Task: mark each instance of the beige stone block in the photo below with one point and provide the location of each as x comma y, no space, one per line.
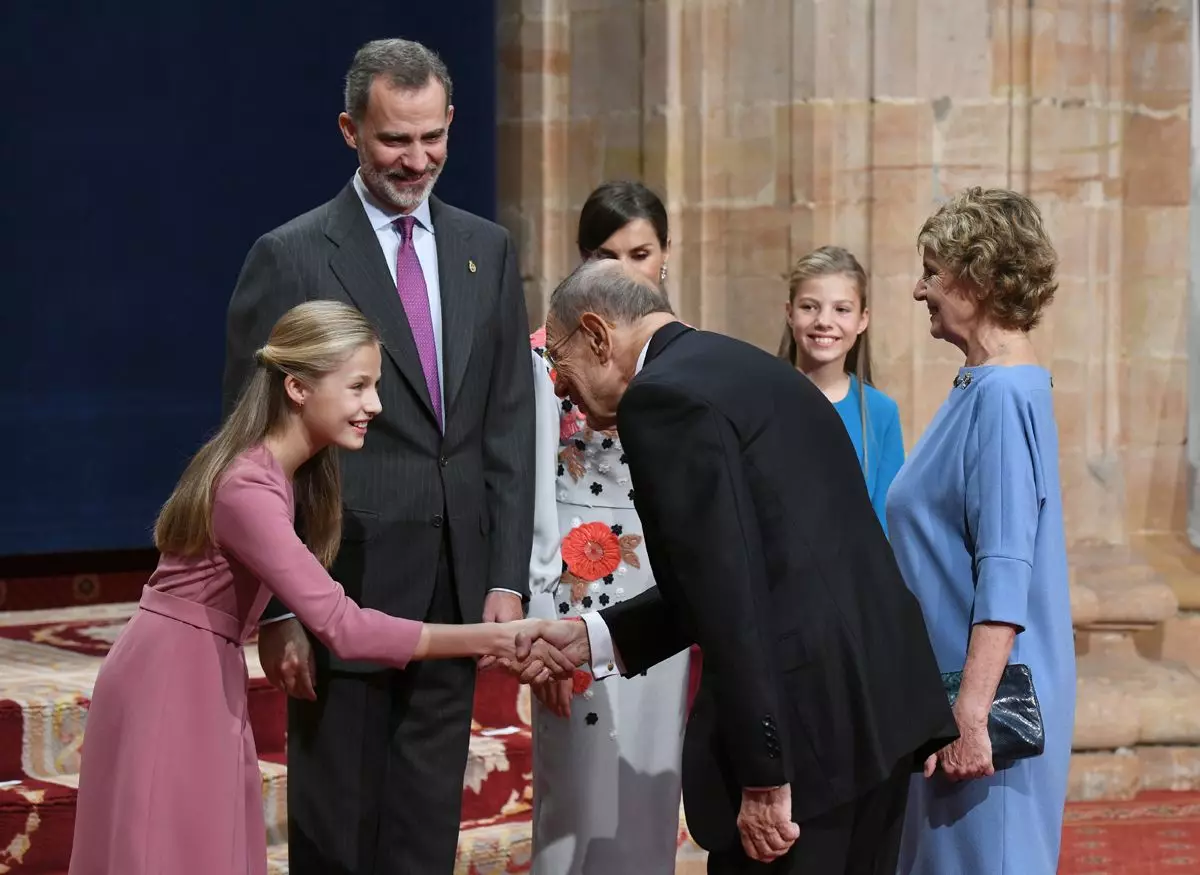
1129,590
1177,561
1093,495
1080,236
752,313
1044,75
751,153
895,226
1159,50
1123,699
1103,775
903,135
1169,768
1155,242
1154,318
759,50
757,245
898,50
971,138
1176,640
1072,336
1085,606
1157,160
1156,489
605,62
1153,402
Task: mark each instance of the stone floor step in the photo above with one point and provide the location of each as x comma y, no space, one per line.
1124,699
1122,774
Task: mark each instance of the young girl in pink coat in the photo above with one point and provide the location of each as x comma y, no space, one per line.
169,783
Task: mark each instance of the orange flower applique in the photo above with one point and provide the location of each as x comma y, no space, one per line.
592,551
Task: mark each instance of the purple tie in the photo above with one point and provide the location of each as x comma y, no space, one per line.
414,295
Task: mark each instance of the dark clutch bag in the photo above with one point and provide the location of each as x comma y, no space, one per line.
1015,721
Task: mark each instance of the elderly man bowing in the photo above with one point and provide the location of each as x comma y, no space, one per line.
820,691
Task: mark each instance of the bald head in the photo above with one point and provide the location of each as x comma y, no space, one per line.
605,287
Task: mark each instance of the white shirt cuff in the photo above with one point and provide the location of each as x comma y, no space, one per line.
509,591
605,659
276,619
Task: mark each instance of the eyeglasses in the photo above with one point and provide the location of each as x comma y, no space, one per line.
551,355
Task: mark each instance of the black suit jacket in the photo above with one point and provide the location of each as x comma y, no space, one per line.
818,669
410,482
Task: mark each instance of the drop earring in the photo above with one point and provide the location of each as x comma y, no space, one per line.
662,273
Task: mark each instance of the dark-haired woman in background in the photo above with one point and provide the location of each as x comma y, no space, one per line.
606,756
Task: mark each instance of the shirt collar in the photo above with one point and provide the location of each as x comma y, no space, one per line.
380,215
641,362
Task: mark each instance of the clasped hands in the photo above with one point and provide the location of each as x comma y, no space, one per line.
543,651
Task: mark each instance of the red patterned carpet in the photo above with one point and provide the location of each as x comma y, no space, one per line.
48,663
1156,833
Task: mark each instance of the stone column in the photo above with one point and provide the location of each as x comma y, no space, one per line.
1193,400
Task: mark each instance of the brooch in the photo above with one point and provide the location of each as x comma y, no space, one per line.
963,380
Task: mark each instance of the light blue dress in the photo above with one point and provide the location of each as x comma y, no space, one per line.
884,444
976,522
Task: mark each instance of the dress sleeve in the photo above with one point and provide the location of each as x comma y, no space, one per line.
1004,498
252,521
891,457
545,561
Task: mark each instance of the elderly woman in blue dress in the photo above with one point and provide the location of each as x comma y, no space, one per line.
975,517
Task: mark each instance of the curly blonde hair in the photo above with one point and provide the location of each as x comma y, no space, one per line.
994,240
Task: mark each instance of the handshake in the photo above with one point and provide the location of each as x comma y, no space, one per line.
541,652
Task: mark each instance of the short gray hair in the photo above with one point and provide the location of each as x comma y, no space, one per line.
407,64
603,287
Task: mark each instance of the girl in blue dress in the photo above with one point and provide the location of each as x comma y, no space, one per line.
977,529
826,339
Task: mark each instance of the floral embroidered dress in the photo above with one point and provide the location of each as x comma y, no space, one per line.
606,780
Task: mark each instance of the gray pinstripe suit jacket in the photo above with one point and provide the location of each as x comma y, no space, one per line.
410,481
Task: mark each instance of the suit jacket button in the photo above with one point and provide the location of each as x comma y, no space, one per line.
443,461
437,521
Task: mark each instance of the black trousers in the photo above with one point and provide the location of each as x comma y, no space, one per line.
861,837
375,765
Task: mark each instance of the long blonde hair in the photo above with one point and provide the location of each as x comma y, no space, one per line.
834,261
308,342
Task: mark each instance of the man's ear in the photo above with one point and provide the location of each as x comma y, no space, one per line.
598,335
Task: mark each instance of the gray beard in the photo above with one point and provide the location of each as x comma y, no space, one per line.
404,200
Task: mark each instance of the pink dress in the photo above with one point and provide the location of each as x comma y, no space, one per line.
169,783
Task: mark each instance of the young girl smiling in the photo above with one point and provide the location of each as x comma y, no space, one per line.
826,340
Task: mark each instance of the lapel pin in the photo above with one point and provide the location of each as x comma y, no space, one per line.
470,265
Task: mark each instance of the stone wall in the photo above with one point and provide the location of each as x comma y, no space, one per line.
774,126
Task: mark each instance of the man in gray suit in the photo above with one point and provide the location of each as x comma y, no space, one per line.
439,503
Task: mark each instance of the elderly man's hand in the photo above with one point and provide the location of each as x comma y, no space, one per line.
765,823
540,652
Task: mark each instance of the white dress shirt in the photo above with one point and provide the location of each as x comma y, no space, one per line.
606,661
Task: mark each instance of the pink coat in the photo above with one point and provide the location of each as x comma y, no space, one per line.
169,781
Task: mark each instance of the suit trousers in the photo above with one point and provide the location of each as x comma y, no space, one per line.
375,765
860,837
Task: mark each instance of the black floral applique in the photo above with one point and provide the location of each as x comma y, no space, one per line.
607,443
587,601
604,599
592,719
624,461
567,406
631,495
608,578
563,607
617,529
596,488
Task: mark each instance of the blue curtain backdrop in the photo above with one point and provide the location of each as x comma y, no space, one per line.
146,145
